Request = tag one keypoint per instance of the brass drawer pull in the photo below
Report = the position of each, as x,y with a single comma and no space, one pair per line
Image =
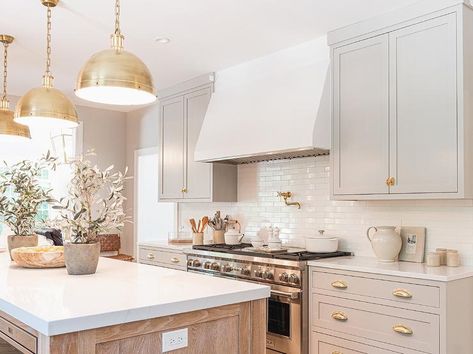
339,316
402,293
337,352
403,330
175,260
150,256
339,284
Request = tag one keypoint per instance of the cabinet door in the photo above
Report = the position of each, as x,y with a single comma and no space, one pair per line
423,117
360,117
172,149
198,174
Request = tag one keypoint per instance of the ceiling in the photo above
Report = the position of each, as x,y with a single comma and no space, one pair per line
206,35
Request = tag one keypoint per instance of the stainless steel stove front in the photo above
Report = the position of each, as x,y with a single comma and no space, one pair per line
287,322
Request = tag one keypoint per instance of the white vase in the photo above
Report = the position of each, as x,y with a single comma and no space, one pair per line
386,243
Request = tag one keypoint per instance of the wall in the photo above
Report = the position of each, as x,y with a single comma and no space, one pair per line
449,223
104,132
141,132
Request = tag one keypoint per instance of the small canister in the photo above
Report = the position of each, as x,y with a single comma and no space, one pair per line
432,259
443,255
453,258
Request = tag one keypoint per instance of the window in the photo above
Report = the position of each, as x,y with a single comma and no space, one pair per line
61,144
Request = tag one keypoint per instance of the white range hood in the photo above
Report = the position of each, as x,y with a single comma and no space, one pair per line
277,106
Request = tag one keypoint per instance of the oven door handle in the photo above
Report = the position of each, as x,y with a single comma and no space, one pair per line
290,295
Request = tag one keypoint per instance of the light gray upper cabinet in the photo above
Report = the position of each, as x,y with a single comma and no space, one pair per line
402,125
423,125
360,117
172,148
181,178
199,186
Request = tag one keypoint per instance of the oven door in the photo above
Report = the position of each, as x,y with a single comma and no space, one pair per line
284,321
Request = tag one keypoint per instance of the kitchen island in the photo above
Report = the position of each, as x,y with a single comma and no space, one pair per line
125,308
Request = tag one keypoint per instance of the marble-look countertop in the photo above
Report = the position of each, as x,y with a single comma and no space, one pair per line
400,269
53,302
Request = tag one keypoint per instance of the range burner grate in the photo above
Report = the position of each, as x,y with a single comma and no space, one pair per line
221,247
293,256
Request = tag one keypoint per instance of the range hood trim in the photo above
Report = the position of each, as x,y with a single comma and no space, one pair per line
270,156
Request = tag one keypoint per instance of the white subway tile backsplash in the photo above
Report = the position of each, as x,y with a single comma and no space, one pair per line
449,223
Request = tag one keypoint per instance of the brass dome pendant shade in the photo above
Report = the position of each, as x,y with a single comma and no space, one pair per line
46,105
115,76
9,129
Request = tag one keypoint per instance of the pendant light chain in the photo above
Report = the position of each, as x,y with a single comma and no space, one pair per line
117,17
48,40
5,72
117,37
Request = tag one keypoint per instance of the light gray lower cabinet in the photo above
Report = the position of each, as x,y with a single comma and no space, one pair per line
357,312
181,178
162,257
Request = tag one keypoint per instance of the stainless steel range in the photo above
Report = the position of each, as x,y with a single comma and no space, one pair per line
286,274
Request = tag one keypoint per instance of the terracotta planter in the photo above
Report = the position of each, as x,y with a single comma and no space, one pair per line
14,241
81,258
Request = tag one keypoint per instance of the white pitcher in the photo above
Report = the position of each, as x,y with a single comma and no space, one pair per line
386,242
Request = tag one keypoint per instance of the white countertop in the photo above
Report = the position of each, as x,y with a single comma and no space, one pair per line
53,302
400,269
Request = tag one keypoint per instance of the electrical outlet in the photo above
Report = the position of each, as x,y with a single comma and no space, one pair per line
174,340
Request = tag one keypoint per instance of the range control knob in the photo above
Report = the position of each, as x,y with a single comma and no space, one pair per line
246,271
190,262
294,279
227,268
196,263
215,266
207,265
268,275
284,277
258,273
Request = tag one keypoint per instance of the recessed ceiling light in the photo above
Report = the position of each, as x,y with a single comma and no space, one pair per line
162,40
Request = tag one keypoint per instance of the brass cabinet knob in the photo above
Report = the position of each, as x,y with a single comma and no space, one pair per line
184,190
401,329
339,316
175,260
150,256
402,293
390,181
339,284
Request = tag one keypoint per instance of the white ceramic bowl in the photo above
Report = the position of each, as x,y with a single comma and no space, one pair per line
274,245
321,244
233,237
257,243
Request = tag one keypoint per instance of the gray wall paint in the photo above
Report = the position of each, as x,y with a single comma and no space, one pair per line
141,132
105,132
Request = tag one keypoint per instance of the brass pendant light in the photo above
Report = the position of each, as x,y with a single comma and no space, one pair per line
115,76
9,129
46,105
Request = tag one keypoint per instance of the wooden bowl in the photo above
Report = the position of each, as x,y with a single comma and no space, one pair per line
39,257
